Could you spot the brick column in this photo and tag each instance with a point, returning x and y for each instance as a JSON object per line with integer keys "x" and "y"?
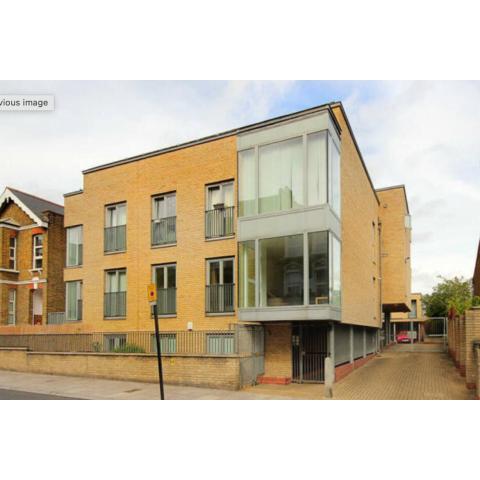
{"x": 456, "y": 321}
{"x": 462, "y": 345}
{"x": 476, "y": 357}
{"x": 472, "y": 333}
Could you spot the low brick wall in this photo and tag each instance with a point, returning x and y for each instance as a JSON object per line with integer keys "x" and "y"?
{"x": 201, "y": 371}
{"x": 343, "y": 370}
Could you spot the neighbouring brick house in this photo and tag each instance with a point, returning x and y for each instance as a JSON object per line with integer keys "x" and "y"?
{"x": 413, "y": 321}
{"x": 32, "y": 259}
{"x": 275, "y": 224}
{"x": 476, "y": 274}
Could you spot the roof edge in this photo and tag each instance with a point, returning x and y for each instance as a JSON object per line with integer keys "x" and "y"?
{"x": 218, "y": 136}
{"x": 397, "y": 187}
{"x": 71, "y": 194}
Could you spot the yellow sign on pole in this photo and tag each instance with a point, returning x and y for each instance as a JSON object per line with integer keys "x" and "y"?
{"x": 152, "y": 293}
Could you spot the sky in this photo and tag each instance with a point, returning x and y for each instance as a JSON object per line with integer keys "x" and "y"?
{"x": 425, "y": 135}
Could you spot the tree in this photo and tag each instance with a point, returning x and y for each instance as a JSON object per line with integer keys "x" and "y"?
{"x": 455, "y": 293}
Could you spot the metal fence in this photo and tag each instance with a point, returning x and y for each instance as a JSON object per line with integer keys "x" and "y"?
{"x": 115, "y": 239}
{"x": 219, "y": 298}
{"x": 164, "y": 231}
{"x": 219, "y": 222}
{"x": 243, "y": 340}
{"x": 115, "y": 304}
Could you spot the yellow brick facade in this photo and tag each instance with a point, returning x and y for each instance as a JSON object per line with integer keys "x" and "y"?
{"x": 187, "y": 172}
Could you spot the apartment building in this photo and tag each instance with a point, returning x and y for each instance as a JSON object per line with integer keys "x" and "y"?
{"x": 275, "y": 224}
{"x": 413, "y": 321}
{"x": 395, "y": 219}
{"x": 32, "y": 258}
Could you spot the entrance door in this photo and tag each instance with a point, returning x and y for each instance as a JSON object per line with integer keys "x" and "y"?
{"x": 309, "y": 349}
{"x": 37, "y": 307}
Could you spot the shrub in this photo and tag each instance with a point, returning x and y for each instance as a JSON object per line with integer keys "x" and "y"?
{"x": 129, "y": 348}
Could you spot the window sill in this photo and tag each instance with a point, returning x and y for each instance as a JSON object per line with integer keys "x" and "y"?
{"x": 9, "y": 270}
{"x": 114, "y": 318}
{"x": 72, "y": 267}
{"x": 220, "y": 314}
{"x": 114, "y": 252}
{"x": 167, "y": 315}
{"x": 165, "y": 245}
{"x": 227, "y": 237}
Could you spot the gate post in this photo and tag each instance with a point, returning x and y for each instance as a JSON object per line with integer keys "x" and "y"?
{"x": 332, "y": 346}
{"x": 329, "y": 376}
{"x": 351, "y": 344}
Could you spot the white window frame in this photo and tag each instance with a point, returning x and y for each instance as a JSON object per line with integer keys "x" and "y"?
{"x": 221, "y": 261}
{"x": 111, "y": 215}
{"x": 117, "y": 272}
{"x": 12, "y": 307}
{"x": 78, "y": 297}
{"x": 78, "y": 262}
{"x": 34, "y": 251}
{"x": 12, "y": 257}
{"x": 221, "y": 186}
{"x": 157, "y": 198}
{"x": 163, "y": 266}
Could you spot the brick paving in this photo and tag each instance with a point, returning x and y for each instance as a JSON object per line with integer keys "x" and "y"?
{"x": 398, "y": 373}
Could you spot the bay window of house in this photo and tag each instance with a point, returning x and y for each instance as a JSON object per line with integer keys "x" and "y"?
{"x": 37, "y": 252}
{"x": 115, "y": 305}
{"x": 290, "y": 174}
{"x": 220, "y": 286}
{"x": 282, "y": 279}
{"x": 219, "y": 214}
{"x": 74, "y": 246}
{"x": 165, "y": 278}
{"x": 12, "y": 253}
{"x": 74, "y": 301}
{"x": 164, "y": 219}
{"x": 12, "y": 307}
{"x": 116, "y": 228}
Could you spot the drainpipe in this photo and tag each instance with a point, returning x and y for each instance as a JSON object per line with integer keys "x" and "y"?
{"x": 380, "y": 279}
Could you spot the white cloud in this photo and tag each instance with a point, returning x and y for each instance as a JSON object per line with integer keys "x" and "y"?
{"x": 425, "y": 135}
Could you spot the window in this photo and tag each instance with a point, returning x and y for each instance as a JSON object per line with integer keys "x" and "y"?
{"x": 165, "y": 278}
{"x": 168, "y": 343}
{"x": 246, "y": 183}
{"x": 220, "y": 343}
{"x": 219, "y": 215}
{"x": 114, "y": 343}
{"x": 115, "y": 293}
{"x": 317, "y": 168}
{"x": 74, "y": 301}
{"x": 246, "y": 275}
{"x": 281, "y": 175}
{"x": 282, "y": 279}
{"x": 298, "y": 172}
{"x": 12, "y": 306}
{"x": 220, "y": 285}
{"x": 164, "y": 219}
{"x": 115, "y": 228}
{"x": 12, "y": 253}
{"x": 335, "y": 271}
{"x": 413, "y": 313}
{"x": 318, "y": 268}
{"x": 334, "y": 169}
{"x": 37, "y": 252}
{"x": 74, "y": 246}
{"x": 281, "y": 271}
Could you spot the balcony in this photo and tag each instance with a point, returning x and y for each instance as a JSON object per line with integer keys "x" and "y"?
{"x": 115, "y": 239}
{"x": 167, "y": 301}
{"x": 219, "y": 222}
{"x": 219, "y": 298}
{"x": 164, "y": 231}
{"x": 115, "y": 305}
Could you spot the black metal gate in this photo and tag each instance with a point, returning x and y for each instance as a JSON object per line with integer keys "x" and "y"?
{"x": 309, "y": 349}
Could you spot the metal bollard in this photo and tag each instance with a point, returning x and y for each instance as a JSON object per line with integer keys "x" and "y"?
{"x": 329, "y": 377}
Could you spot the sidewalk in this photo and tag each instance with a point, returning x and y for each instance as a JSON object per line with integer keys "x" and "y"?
{"x": 99, "y": 389}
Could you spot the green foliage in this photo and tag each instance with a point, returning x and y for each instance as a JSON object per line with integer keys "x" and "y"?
{"x": 455, "y": 293}
{"x": 129, "y": 348}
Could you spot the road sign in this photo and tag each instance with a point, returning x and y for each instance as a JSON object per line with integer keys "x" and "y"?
{"x": 152, "y": 293}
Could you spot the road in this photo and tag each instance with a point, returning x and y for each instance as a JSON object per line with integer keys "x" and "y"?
{"x": 17, "y": 395}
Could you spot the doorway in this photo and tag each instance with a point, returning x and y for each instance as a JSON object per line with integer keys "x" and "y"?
{"x": 37, "y": 307}
{"x": 309, "y": 350}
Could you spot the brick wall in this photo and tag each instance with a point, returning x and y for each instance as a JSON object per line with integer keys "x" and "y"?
{"x": 278, "y": 352}
{"x": 212, "y": 372}
{"x": 472, "y": 333}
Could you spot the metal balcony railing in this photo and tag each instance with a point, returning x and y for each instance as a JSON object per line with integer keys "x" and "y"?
{"x": 115, "y": 239}
{"x": 167, "y": 301}
{"x": 115, "y": 304}
{"x": 164, "y": 231}
{"x": 219, "y": 298}
{"x": 219, "y": 222}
